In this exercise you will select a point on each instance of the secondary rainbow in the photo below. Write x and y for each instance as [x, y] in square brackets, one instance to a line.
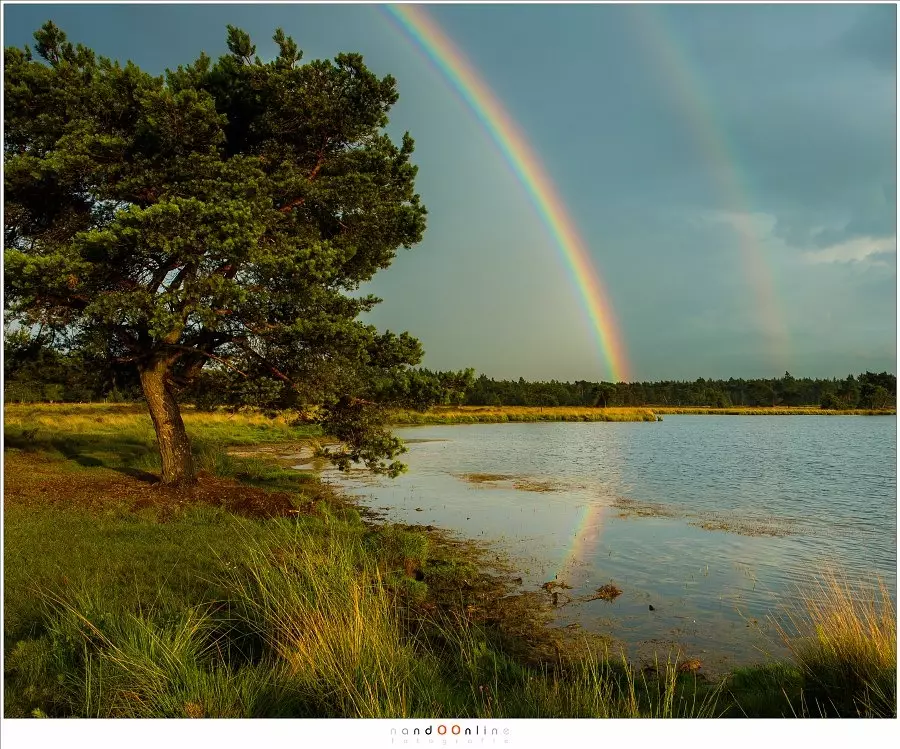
[523, 161]
[660, 41]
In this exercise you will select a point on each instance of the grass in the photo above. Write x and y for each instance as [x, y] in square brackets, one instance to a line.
[261, 593]
[308, 631]
[115, 422]
[501, 414]
[771, 411]
[213, 616]
[844, 641]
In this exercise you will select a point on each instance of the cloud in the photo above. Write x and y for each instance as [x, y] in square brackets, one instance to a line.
[870, 212]
[853, 250]
[857, 241]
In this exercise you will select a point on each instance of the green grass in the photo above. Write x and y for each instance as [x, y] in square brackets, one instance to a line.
[843, 643]
[112, 426]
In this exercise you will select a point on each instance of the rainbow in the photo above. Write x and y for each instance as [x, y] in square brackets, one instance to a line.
[526, 166]
[661, 44]
[585, 539]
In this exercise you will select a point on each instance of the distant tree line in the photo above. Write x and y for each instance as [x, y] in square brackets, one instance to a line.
[35, 371]
[866, 390]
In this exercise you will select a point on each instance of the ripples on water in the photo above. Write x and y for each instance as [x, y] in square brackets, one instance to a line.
[626, 503]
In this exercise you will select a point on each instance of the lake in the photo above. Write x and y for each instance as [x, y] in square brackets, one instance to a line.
[713, 521]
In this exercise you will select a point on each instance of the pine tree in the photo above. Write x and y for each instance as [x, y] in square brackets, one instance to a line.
[222, 213]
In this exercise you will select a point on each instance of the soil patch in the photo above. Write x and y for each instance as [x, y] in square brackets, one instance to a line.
[33, 478]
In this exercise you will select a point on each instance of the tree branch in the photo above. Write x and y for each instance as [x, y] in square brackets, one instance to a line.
[273, 369]
[320, 162]
[200, 352]
[72, 302]
[293, 204]
[161, 274]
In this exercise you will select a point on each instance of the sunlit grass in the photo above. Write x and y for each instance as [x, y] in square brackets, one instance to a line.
[844, 640]
[132, 420]
[499, 414]
[770, 411]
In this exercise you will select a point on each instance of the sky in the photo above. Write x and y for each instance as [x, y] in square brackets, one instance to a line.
[731, 169]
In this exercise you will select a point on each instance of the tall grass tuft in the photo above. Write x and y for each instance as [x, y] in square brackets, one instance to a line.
[334, 625]
[845, 642]
[151, 664]
[326, 612]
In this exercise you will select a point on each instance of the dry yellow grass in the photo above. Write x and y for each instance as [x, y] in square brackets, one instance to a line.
[844, 638]
[495, 414]
[133, 420]
[770, 411]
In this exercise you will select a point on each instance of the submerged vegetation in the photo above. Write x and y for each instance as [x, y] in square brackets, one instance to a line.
[260, 592]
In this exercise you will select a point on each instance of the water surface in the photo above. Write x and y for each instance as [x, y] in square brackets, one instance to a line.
[711, 520]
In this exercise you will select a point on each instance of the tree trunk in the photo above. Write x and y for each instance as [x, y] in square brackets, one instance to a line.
[171, 437]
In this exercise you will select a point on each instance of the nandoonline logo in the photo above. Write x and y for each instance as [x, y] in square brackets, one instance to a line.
[449, 734]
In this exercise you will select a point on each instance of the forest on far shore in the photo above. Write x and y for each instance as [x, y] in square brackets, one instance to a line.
[35, 372]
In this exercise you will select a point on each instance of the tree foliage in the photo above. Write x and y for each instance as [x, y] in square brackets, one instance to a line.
[225, 213]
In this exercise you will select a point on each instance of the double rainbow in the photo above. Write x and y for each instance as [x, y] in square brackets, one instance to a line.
[523, 161]
[673, 62]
